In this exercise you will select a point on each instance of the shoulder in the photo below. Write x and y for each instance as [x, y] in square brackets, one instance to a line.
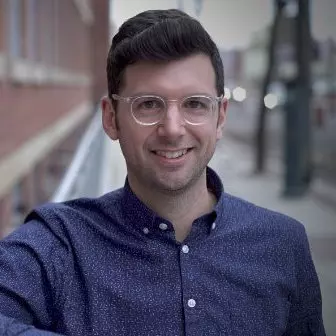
[254, 219]
[75, 217]
[77, 209]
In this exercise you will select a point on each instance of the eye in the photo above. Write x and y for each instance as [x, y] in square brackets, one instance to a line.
[196, 103]
[149, 103]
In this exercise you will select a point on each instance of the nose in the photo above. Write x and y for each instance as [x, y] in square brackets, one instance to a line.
[173, 124]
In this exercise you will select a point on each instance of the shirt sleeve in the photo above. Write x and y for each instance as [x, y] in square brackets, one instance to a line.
[306, 305]
[32, 260]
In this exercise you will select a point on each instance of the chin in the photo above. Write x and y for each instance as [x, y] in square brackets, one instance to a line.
[173, 187]
[174, 184]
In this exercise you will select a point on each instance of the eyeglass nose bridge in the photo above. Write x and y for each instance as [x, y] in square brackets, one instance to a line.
[166, 113]
[176, 102]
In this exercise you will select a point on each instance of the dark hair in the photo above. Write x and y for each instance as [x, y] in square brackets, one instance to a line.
[159, 35]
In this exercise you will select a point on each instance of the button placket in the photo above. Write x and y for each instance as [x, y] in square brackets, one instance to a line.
[188, 283]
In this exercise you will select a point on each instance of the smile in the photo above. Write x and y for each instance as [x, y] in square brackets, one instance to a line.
[171, 154]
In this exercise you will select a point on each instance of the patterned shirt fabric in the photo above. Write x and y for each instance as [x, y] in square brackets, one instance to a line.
[111, 266]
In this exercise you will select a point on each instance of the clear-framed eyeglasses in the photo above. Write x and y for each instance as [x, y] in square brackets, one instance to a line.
[149, 110]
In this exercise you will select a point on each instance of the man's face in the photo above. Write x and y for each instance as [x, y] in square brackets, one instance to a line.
[149, 150]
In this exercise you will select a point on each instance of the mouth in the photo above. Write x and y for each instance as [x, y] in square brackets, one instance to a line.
[172, 154]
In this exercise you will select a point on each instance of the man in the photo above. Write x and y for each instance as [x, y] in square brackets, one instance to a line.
[170, 253]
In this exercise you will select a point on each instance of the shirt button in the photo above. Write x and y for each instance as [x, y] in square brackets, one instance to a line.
[145, 230]
[191, 303]
[163, 226]
[185, 249]
[213, 226]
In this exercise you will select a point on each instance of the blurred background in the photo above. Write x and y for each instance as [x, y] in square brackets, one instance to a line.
[279, 148]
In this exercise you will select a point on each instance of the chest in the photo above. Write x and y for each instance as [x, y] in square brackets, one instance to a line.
[182, 289]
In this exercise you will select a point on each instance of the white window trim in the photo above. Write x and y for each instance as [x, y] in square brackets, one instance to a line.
[25, 72]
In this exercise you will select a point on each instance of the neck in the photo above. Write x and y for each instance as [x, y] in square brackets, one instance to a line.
[181, 208]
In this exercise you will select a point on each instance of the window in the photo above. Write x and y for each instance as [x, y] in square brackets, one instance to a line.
[15, 31]
[2, 25]
[31, 27]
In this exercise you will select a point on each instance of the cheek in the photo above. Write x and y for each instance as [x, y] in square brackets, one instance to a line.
[206, 136]
[132, 139]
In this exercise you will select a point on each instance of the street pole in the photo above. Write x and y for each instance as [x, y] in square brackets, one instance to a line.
[298, 124]
[260, 134]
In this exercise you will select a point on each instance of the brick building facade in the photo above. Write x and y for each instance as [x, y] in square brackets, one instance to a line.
[52, 65]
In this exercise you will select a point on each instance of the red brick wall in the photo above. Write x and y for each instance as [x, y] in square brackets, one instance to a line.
[64, 41]
[100, 46]
[80, 41]
[2, 25]
[73, 38]
[44, 32]
[27, 110]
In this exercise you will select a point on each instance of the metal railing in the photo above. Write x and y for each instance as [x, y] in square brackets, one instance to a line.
[82, 178]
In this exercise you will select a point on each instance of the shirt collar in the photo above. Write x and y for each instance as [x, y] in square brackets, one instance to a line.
[142, 216]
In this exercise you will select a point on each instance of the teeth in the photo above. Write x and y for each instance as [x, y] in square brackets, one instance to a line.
[171, 155]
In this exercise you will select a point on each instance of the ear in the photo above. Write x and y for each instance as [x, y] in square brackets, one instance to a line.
[109, 118]
[221, 118]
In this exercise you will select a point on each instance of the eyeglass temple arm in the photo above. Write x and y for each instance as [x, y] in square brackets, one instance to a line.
[117, 97]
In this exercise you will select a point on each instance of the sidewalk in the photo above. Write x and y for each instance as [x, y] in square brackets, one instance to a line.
[240, 125]
[233, 162]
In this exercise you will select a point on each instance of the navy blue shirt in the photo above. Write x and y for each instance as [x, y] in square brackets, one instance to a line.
[111, 266]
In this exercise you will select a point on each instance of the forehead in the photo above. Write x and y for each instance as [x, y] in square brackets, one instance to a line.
[189, 75]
